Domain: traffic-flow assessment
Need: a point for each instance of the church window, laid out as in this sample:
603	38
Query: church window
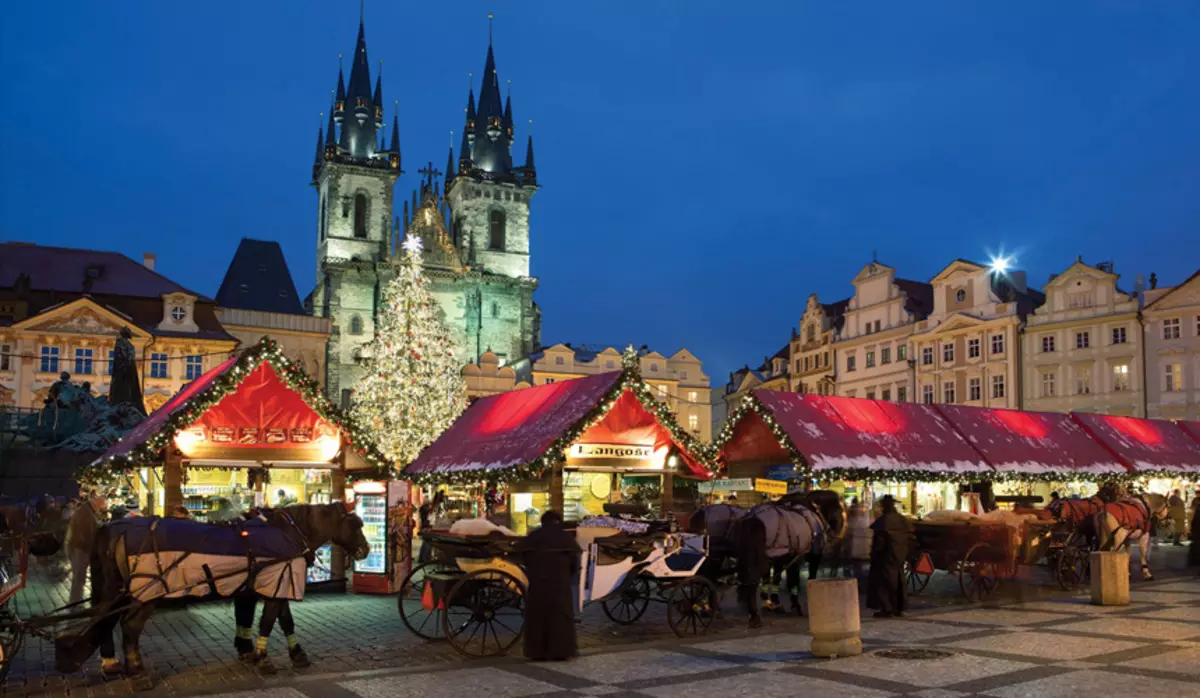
360	216
496	230
356	325
324	215
495	309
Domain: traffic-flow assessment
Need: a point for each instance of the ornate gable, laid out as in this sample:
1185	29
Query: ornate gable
957	321
428	225
82	316
959	268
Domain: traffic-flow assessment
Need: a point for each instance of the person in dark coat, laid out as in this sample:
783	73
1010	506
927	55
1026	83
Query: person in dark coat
752	564
551	559
891	542
1194	548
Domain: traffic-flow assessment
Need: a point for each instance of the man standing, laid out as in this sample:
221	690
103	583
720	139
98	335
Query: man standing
857	543
890	545
551	558
1178	511
81	535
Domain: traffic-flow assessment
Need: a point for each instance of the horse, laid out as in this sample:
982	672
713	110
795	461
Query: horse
1132	519
832	509
125	589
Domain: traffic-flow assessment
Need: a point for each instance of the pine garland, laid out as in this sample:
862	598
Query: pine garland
631	380
153	450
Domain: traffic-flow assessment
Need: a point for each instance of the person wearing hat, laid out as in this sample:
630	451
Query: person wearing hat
891	542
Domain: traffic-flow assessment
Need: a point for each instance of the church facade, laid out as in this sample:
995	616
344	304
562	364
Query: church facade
474	225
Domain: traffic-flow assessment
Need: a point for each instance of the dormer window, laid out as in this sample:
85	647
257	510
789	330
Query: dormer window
178	313
960	295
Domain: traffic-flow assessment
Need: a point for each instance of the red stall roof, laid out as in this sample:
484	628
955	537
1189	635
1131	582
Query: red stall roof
1032	443
1145	445
853	435
518	428
1192	428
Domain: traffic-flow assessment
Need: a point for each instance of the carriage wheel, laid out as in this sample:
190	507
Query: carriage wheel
424	622
630	603
485	613
977	577
1073	568
917	581
692	605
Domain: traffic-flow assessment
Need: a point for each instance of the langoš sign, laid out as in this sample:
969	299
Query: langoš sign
614	451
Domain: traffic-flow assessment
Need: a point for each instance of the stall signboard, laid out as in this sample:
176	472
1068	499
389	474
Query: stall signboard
771	487
782	472
742	484
613	451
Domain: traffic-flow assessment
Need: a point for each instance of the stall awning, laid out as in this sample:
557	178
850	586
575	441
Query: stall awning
1031	443
510	434
1192	428
1144	445
849	437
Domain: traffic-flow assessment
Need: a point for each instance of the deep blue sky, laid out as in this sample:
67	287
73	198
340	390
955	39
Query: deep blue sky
706	165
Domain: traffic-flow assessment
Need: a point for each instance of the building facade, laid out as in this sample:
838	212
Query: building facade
62	310
872	347
1082	348
1171	318
773	374
487	299
967	350
678	380
812	355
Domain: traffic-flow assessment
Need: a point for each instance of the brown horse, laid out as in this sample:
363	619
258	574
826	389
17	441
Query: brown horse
120	595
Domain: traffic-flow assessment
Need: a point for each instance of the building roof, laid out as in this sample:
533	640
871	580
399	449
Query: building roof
1168	291
72	270
918	296
258	279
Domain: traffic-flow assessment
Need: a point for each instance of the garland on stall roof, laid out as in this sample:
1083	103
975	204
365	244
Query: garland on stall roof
631	380
152	451
750	403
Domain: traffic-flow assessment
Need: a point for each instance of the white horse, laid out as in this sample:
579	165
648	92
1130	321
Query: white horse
1132	520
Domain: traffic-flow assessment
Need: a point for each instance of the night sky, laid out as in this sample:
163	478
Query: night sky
705	165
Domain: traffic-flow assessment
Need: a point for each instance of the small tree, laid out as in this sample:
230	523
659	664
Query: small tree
413	387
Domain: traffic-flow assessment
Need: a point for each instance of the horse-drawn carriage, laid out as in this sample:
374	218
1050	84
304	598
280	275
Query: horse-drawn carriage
473	593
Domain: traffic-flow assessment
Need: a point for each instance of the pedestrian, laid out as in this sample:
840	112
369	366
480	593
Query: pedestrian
551	559
1178	512
858	540
1054	497
752	564
891	542
1194	548
81	536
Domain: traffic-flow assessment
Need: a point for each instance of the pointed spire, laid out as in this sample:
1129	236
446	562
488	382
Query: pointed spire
395	128
330	132
377	98
320	141
508	117
529	155
470	100
406	215
450	163
341	86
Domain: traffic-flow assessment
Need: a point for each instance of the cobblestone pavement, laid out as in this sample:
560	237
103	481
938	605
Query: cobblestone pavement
359	647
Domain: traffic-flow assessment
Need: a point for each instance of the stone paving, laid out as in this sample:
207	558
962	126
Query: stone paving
1034	641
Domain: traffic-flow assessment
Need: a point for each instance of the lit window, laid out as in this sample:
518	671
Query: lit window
997	387
1083	340
662	391
948	396
870	359
1120	377
83	361
927	356
49	360
5	359
973	348
927	394
693	396
1173	375
974	389
1048	384
902	352
902	394
158	365
885	355
997	344
1083	381
1171	328
694	423
948	353
850	362
1047	343
193	367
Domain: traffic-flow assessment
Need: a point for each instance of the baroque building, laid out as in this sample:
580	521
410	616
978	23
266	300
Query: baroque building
476	230
966	351
812	355
772	374
1171	318
1083	347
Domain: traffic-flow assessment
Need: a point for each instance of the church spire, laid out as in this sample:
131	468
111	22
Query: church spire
449	165
377	99
489	153
362	115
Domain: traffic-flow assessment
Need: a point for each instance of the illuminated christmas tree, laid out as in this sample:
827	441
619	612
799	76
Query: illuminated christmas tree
413	387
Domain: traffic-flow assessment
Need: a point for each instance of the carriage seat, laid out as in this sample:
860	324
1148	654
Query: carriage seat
618	548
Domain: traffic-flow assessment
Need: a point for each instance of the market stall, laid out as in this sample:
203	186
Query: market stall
1160	452
254	431
867	447
569	446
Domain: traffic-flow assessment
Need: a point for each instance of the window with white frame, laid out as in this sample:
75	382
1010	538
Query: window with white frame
885	355
948	396
851	362
6	362
927	394
997	344
870	359
948	353
158	365
1118	335
49	362
693	423
1120	377
973	348
1083	381
1048	380
1083	339
1173	377
662	391
193	366
927	356
1047	343
997	387
83	361
974	389
1171	328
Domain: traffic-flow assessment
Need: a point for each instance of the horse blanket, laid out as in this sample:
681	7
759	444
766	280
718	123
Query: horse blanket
790	531
1075	510
1131	514
174	558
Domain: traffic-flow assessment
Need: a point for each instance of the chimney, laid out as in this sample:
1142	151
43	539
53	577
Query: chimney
1139	289
148	260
